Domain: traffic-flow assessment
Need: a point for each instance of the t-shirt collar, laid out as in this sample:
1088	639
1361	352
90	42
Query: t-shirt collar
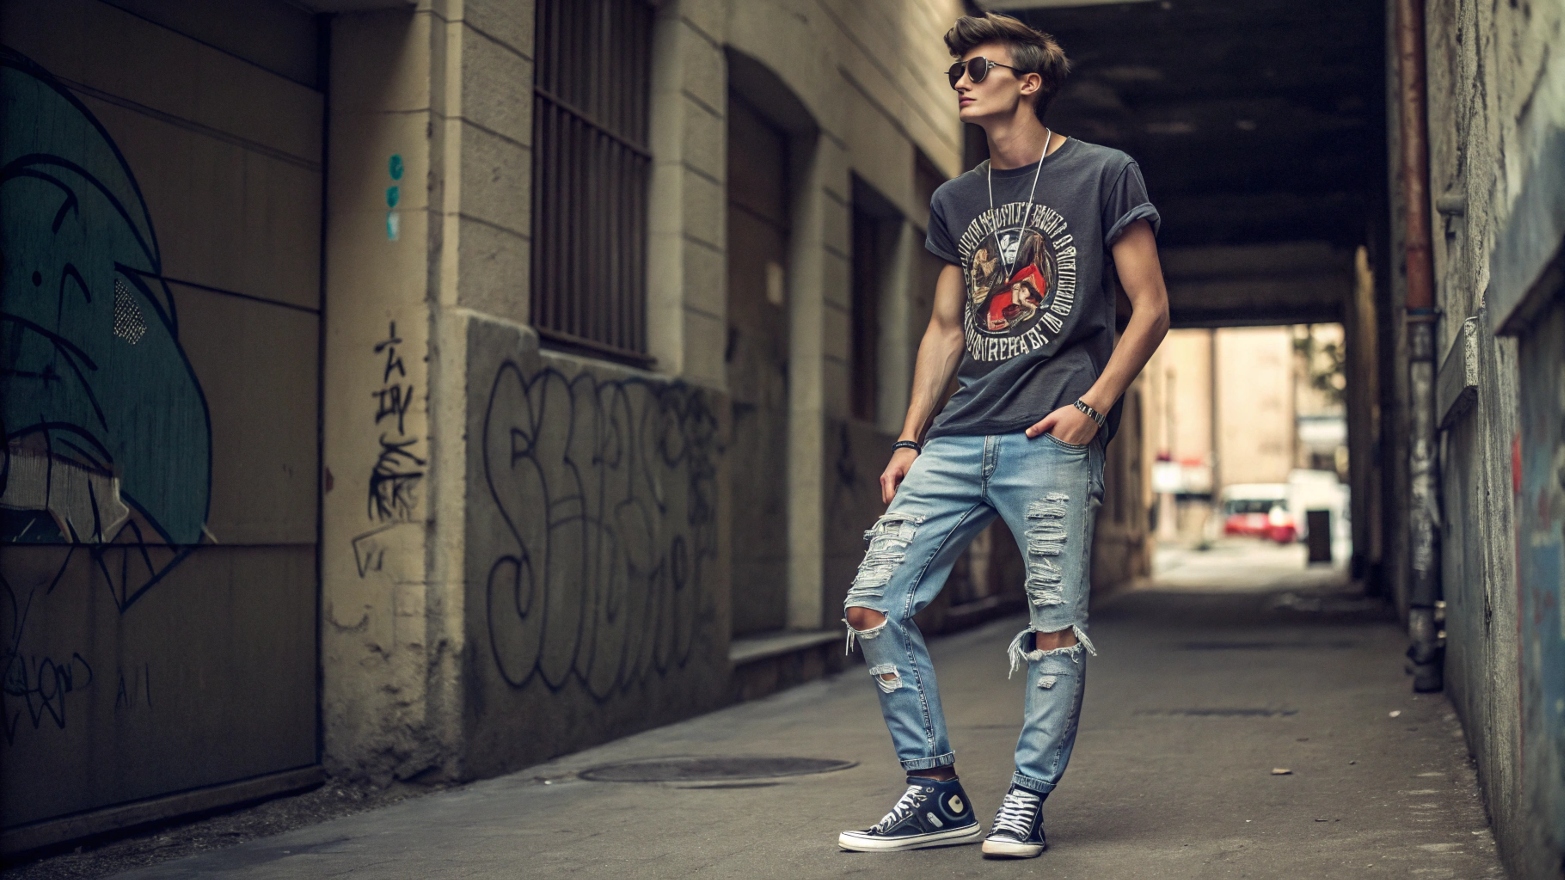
1030	167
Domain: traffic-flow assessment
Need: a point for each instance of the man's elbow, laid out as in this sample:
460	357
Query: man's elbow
1161	319
1155	305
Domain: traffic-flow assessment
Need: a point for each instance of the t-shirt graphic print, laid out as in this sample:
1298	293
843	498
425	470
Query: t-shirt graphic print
1038	316
1020	268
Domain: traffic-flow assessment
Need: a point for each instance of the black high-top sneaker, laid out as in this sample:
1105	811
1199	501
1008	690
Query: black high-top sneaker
932	812
1017	832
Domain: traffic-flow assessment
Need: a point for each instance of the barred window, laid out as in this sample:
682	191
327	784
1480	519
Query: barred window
590	172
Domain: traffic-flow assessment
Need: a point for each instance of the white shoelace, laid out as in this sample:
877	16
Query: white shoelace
1016	814
911	799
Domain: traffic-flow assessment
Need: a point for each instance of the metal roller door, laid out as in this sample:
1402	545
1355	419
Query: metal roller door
159	336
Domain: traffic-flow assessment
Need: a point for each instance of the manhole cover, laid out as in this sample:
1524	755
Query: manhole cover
711	769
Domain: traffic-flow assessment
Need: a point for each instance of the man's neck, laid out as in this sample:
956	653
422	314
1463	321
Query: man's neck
1016	141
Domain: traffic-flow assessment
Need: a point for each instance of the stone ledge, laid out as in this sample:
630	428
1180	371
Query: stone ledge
771	662
753	649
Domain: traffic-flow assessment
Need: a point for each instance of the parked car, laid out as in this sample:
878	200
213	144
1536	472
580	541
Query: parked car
1258	510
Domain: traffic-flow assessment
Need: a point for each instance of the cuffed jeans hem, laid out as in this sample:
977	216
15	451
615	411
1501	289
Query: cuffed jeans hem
1031	784
944	760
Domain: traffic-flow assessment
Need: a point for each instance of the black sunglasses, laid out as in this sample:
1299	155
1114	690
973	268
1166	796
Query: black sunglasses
976	68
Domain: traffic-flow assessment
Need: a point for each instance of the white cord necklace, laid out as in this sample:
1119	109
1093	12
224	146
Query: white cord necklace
994	219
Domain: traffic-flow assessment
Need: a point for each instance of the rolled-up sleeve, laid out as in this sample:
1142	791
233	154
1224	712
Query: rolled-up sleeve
1125	202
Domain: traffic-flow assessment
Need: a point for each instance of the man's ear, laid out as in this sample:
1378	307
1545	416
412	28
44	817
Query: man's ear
1031	82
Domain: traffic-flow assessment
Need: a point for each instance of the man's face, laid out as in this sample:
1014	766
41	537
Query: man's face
1000	91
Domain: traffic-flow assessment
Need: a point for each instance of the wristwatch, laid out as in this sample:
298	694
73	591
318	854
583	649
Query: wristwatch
1093	414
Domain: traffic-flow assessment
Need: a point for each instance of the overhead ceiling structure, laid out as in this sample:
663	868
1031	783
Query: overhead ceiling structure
1260	128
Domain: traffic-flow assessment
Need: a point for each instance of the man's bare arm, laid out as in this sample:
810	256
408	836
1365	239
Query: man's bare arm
939	353
1140	273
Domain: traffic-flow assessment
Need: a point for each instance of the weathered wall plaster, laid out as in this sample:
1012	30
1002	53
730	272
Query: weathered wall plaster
1495	95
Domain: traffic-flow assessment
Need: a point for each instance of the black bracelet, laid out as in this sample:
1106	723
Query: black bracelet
908	444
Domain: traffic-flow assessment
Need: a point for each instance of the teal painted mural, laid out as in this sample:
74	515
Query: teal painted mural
1540	504
107	435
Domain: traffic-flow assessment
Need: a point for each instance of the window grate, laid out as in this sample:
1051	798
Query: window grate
591	167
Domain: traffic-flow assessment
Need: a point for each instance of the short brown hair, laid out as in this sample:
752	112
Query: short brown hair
1032	51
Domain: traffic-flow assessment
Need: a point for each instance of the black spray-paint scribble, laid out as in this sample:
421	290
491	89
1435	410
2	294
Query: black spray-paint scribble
608	493
398	470
34	686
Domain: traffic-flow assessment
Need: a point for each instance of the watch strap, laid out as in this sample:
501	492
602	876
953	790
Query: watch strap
1093	414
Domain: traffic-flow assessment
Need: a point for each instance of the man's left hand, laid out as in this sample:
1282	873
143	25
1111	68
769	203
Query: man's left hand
1068	425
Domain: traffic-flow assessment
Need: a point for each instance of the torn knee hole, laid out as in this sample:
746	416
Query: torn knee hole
1053	640
862	623
864	620
886	677
1024	648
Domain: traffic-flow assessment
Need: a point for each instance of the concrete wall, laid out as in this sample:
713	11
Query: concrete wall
1178	430
1537	841
376	431
1254	395
1185	364
1496	117
1362	406
1123	541
557	573
158	399
1255	409
597	562
849	69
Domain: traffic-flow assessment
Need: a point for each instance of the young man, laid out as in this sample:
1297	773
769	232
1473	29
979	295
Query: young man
1026	308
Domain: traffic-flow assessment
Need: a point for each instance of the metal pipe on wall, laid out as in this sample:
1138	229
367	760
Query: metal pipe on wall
1427	649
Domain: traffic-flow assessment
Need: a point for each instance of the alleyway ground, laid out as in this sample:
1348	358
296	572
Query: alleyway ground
1236	663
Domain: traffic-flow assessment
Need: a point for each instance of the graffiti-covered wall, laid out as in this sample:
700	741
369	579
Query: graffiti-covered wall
158	337
1541	571
596	550
1497	152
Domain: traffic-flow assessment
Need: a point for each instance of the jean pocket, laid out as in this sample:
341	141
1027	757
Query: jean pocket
1073	447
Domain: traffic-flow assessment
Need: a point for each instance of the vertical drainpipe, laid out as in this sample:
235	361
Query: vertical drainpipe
1427	648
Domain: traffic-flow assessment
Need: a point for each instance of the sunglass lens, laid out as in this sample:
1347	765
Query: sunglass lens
975	68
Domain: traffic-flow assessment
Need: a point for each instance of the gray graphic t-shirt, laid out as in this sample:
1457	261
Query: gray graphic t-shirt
1039	313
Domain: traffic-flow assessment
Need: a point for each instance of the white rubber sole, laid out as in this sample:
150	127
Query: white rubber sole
1010	849
855	841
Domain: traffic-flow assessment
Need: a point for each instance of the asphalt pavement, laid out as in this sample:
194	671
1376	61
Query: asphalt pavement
1245	717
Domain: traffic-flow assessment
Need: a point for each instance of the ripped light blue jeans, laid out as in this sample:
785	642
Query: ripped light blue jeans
1048	492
